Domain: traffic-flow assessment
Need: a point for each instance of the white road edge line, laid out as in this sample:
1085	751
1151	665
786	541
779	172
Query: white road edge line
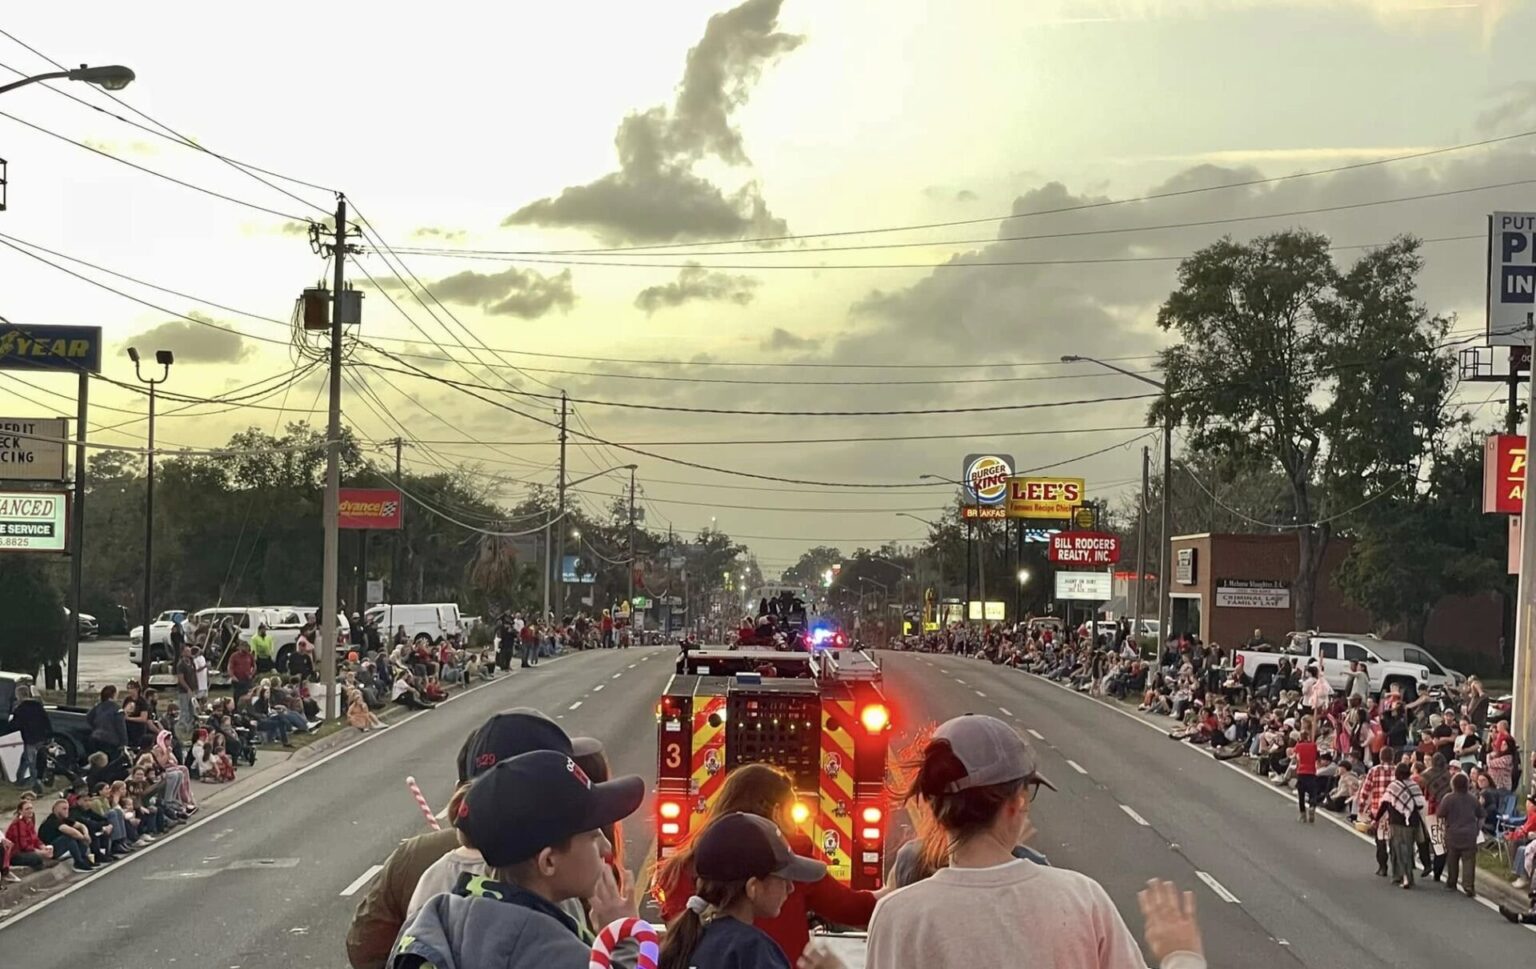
362	880
1217	887
1134	816
1036	734
75	886
1076	766
574	705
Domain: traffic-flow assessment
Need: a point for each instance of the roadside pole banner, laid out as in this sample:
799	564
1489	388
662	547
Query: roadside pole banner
369	508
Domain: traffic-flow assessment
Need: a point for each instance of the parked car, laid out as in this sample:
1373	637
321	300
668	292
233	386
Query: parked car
1387	662
432	620
159	637
88	625
67	742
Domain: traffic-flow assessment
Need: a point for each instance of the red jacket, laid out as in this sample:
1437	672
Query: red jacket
828	898
242	665
22	834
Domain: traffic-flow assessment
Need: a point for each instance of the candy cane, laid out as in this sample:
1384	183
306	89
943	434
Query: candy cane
421	802
638	929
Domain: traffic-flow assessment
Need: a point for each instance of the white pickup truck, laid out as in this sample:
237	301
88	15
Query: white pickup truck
1387	662
283	623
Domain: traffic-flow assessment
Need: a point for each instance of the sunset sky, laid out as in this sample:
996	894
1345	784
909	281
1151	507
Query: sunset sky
578	126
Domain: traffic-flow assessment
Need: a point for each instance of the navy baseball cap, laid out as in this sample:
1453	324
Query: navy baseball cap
741	846
536	800
520	731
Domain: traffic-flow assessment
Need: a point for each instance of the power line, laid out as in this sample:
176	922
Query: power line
1037	432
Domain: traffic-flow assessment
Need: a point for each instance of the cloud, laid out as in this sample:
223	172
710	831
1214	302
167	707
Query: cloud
1515	111
193	342
965	195
782	339
512	292
434	232
141	148
694	282
944	193
656	196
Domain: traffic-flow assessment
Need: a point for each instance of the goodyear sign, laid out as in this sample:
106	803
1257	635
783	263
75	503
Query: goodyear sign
1048	498
75	349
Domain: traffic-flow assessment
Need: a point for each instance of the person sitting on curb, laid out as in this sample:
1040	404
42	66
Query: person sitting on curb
744	871
437	859
26	848
537	820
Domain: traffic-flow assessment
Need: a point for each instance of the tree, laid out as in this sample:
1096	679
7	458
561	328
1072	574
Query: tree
35	622
812	566
1334	379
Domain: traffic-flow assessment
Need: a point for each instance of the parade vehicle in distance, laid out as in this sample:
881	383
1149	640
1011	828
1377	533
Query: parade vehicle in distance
820	714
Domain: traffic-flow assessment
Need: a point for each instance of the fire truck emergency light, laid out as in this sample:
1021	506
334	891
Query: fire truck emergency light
875	717
800	813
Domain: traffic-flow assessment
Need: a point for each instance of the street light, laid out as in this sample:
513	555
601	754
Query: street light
1162	546
1023	577
164	358
557	578
114	77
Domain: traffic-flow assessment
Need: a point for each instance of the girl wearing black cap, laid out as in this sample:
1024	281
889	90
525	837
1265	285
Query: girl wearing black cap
745	872
987	907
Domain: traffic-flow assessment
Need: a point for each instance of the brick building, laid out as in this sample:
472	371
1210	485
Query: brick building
1224	587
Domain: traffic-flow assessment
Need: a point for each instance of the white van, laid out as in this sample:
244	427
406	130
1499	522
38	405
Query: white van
434	620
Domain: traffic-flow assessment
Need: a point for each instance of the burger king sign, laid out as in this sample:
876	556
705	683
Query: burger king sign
985	478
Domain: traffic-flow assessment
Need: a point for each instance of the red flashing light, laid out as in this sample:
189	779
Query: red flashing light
872	815
671	828
875	717
871	834
670	810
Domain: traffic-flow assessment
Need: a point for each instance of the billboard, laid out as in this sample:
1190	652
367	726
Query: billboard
1084	586
74	349
1084	548
1511	277
369	508
984	478
33	449
1253	593
34	521
1053	499
1503	474
983	511
992	610
574	570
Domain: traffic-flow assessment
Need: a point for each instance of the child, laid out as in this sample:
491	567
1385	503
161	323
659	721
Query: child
537	821
358	714
744	871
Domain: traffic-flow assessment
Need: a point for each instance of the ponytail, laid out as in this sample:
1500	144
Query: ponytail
685	932
959	814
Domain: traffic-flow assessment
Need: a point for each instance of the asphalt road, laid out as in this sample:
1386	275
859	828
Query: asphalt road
272	879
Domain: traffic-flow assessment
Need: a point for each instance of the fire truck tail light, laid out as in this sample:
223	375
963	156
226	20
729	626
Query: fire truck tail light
871	834
671	828
800	813
875	717
872	815
670	810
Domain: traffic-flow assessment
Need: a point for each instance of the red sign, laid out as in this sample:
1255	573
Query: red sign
1504	474
1084	548
370	508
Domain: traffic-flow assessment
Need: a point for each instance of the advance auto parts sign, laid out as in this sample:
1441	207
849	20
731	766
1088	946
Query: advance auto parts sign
33	521
985	477
1084	548
369	508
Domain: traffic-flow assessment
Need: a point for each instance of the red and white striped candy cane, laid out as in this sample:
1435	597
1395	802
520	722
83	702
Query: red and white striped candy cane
617	931
421	802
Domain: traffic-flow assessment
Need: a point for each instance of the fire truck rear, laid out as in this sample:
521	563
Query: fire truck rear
819	715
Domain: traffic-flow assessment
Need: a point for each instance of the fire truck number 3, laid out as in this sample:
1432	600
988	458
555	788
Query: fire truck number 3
674	756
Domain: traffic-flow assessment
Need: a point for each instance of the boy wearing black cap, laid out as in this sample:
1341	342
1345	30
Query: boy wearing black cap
537	820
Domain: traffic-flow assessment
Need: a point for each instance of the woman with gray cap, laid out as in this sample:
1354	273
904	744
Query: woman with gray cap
988	908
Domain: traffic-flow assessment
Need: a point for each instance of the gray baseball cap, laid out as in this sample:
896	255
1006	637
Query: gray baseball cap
992	752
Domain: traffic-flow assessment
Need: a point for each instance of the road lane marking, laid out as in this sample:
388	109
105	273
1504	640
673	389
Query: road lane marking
598	687
1134	816
361	880
631	666
979	693
1216	886
1036	734
1076	766
1004	711
574	705
617	675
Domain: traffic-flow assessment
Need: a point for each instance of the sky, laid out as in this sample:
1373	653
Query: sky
540	129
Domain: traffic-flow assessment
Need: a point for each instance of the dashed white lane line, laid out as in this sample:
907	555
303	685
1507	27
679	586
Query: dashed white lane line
1005	711
598	687
1076	766
361	880
618	674
1216	886
631	666
979	693
1134	816
1036	734
574	705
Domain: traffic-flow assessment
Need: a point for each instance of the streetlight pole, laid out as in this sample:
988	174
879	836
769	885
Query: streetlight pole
1163	601
631	607
164	358
114	77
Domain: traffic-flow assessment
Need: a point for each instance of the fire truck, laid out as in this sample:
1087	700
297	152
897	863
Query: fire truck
821	715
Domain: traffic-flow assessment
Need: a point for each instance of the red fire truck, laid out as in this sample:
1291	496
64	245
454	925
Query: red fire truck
820	715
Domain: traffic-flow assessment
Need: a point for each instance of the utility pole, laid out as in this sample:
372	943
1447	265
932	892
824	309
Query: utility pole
1525	602
632	559
970	564
331	517
1163	588
1141	547
559	522
394	553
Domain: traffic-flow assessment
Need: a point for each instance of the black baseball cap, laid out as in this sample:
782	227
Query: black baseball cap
520	731
741	846
525	804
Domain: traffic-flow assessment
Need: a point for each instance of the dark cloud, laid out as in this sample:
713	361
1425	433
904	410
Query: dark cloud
512	292
655	196
782	339
965	195
192	342
434	232
945	193
694	282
